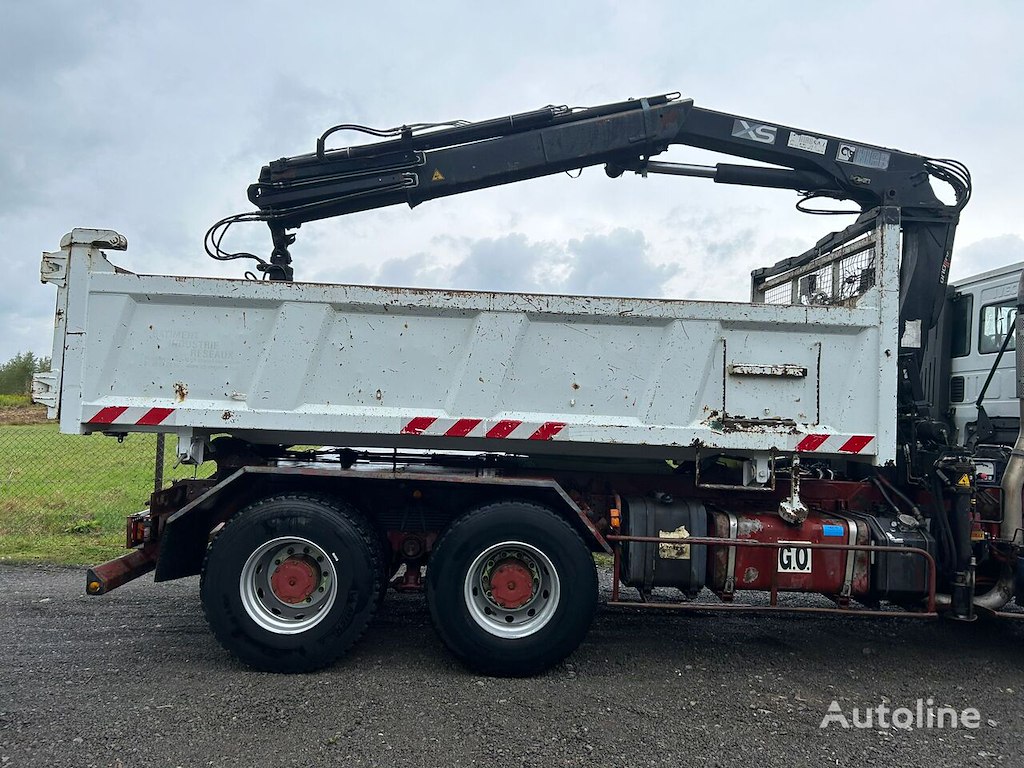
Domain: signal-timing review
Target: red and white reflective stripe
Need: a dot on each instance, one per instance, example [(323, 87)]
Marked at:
[(856, 444), (811, 443), (418, 425), (505, 428), (122, 414), (825, 443)]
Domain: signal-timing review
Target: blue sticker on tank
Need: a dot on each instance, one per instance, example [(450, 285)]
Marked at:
[(832, 530)]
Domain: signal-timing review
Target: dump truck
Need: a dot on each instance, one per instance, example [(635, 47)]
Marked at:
[(481, 447)]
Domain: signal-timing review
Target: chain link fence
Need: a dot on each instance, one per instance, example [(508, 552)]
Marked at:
[(64, 498)]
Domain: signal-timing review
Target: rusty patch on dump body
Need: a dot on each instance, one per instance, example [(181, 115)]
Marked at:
[(773, 425), (226, 415), (180, 391)]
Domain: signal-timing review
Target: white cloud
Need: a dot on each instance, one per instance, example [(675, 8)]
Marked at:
[(986, 254), (616, 263)]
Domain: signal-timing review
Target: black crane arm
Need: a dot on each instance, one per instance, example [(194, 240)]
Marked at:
[(418, 166)]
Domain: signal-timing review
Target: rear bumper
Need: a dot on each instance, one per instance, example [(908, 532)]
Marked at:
[(112, 574)]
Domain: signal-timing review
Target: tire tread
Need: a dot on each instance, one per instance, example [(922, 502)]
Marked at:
[(499, 667), (364, 532)]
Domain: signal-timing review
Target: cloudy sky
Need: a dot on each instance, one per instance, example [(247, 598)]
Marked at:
[(152, 118)]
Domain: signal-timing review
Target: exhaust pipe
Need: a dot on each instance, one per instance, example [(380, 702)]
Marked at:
[(1013, 478)]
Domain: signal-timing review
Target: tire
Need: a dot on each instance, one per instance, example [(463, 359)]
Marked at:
[(512, 588), (291, 582)]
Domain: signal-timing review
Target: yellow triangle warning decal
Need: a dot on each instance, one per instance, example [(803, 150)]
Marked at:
[(437, 176), (964, 481)]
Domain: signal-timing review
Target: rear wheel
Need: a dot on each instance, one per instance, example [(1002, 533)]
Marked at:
[(512, 588), (291, 582)]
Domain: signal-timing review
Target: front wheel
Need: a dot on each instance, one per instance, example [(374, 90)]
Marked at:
[(512, 588), (291, 582)]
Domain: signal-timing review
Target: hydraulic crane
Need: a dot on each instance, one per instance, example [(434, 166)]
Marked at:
[(416, 163)]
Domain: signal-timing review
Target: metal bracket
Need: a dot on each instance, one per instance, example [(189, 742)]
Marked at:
[(54, 268), (191, 450), (851, 558), (758, 471), (793, 510), (45, 388), (730, 566), (99, 238), (758, 474)]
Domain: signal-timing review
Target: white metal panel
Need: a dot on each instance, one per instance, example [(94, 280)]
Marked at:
[(373, 366)]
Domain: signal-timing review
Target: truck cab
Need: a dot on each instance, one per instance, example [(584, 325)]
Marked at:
[(981, 311)]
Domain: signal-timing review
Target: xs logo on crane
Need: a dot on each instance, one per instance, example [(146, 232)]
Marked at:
[(765, 134)]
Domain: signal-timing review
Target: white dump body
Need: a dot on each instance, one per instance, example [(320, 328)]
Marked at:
[(305, 363)]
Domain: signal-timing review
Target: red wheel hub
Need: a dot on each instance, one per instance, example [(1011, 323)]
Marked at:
[(511, 584), (293, 580)]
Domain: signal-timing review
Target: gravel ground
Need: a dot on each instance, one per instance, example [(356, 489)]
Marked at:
[(135, 679)]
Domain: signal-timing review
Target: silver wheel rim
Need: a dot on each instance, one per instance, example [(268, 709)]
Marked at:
[(487, 609), (266, 607)]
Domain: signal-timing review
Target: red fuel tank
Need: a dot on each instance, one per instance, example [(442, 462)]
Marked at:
[(843, 573)]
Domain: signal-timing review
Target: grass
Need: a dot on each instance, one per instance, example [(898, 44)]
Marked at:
[(64, 498)]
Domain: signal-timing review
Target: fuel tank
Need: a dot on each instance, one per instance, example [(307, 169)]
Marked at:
[(666, 565), (795, 568)]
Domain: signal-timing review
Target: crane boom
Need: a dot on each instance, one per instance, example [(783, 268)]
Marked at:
[(415, 167)]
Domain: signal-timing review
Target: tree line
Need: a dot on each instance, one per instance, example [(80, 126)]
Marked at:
[(16, 373)]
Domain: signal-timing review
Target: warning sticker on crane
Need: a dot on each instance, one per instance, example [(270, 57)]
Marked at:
[(438, 176), (866, 157), (807, 143)]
